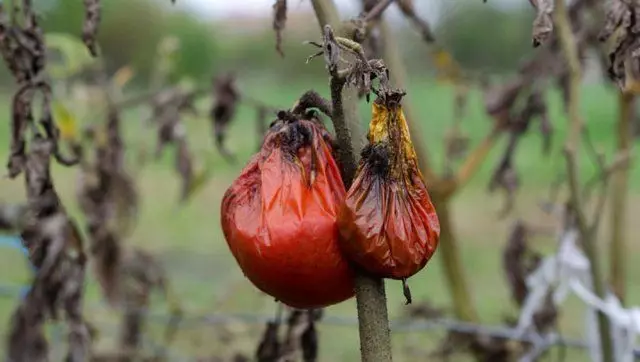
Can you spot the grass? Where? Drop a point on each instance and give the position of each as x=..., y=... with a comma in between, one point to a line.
x=188, y=239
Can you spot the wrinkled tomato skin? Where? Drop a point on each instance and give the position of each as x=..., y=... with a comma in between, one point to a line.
x=283, y=232
x=388, y=229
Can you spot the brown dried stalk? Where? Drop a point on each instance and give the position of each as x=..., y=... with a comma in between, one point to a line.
x=92, y=10
x=587, y=235
x=279, y=22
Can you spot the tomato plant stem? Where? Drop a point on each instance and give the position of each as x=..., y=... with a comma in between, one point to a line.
x=373, y=319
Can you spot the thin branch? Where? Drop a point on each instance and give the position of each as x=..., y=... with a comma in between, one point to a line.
x=377, y=10
x=474, y=160
x=567, y=41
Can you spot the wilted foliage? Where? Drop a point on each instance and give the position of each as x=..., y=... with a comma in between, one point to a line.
x=109, y=200
x=622, y=31
x=224, y=109
x=518, y=260
x=543, y=23
x=139, y=276
x=515, y=104
x=516, y=122
x=300, y=342
x=168, y=107
x=56, y=250
x=23, y=50
x=279, y=22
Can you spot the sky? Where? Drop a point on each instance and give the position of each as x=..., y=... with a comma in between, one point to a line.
x=227, y=8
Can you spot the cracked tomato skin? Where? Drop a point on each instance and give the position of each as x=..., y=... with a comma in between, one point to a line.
x=279, y=220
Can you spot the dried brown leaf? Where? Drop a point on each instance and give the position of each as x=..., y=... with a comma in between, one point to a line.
x=56, y=250
x=224, y=110
x=621, y=31
x=269, y=347
x=543, y=22
x=518, y=261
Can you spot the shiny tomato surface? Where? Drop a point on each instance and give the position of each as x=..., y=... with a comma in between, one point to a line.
x=279, y=219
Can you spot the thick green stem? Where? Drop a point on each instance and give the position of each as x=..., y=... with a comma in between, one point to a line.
x=448, y=250
x=373, y=319
x=588, y=237
x=619, y=250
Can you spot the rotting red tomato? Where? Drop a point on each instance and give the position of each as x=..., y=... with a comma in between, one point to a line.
x=279, y=217
x=388, y=224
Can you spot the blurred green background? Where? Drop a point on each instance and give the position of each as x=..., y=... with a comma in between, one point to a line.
x=484, y=38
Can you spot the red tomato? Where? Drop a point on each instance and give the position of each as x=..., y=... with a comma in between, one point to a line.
x=388, y=224
x=279, y=218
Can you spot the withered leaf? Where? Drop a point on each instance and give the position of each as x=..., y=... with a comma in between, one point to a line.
x=543, y=22
x=92, y=9
x=224, y=110
x=56, y=250
x=301, y=339
x=269, y=347
x=621, y=30
x=279, y=22
x=518, y=260
x=140, y=274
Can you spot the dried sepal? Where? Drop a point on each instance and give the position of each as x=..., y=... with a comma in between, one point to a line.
x=92, y=10
x=279, y=22
x=543, y=22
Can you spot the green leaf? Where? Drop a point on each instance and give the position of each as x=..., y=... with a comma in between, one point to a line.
x=72, y=55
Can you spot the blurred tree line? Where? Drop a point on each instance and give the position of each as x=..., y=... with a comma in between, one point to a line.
x=481, y=37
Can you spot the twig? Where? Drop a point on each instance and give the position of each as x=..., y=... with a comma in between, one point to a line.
x=472, y=163
x=568, y=44
x=377, y=10
x=375, y=337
